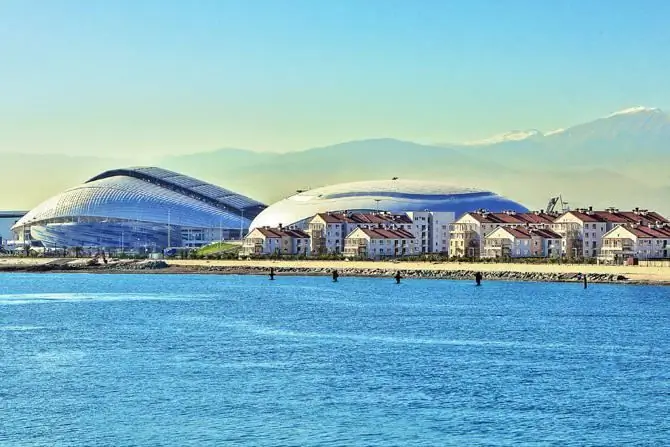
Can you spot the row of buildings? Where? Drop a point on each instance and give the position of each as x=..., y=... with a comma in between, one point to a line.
x=356, y=234
x=583, y=233
x=149, y=209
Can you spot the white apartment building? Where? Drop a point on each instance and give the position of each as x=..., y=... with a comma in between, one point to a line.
x=377, y=243
x=269, y=241
x=467, y=233
x=582, y=230
x=328, y=230
x=640, y=241
x=521, y=242
x=432, y=229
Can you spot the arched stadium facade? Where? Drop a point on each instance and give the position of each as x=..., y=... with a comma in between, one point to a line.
x=138, y=209
x=382, y=195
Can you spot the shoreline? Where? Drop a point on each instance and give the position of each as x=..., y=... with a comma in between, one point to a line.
x=596, y=274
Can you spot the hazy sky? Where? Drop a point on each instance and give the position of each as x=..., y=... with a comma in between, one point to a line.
x=161, y=77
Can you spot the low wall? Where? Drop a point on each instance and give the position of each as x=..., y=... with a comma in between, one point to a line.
x=655, y=263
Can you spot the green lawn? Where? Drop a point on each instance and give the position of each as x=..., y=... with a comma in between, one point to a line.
x=218, y=247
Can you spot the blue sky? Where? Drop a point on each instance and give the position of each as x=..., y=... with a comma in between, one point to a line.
x=165, y=77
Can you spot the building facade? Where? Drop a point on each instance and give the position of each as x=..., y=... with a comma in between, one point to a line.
x=432, y=230
x=521, y=242
x=328, y=231
x=275, y=241
x=639, y=241
x=467, y=233
x=379, y=243
x=582, y=230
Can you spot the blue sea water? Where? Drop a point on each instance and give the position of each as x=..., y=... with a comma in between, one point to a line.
x=176, y=360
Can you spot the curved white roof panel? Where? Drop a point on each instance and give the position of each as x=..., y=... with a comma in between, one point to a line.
x=387, y=195
x=117, y=204
x=203, y=191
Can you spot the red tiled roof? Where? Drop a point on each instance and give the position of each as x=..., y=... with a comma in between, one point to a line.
x=269, y=232
x=512, y=218
x=283, y=232
x=645, y=232
x=518, y=233
x=370, y=218
x=527, y=233
x=545, y=233
x=380, y=233
x=620, y=217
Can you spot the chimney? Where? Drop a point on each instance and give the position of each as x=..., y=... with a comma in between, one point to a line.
x=281, y=227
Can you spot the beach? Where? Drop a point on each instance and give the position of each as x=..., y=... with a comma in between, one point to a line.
x=446, y=270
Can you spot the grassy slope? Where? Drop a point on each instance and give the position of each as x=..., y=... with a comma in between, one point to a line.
x=218, y=247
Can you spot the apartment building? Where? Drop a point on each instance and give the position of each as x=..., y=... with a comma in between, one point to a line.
x=467, y=233
x=582, y=230
x=640, y=241
x=377, y=243
x=432, y=230
x=269, y=241
x=521, y=242
x=328, y=230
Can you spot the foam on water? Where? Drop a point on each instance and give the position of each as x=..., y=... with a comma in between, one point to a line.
x=42, y=298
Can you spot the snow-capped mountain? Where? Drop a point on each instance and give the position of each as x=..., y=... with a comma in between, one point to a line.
x=646, y=123
x=515, y=135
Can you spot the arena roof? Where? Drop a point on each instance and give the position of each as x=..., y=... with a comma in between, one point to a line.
x=383, y=195
x=206, y=192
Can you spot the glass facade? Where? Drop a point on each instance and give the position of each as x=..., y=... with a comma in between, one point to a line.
x=139, y=207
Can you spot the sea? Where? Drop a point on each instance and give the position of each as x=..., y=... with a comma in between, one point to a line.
x=200, y=360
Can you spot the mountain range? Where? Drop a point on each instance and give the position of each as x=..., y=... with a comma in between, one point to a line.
x=619, y=160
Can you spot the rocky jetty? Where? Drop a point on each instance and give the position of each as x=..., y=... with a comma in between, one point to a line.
x=161, y=266
x=424, y=274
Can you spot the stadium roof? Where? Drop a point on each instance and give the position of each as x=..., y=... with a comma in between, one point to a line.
x=206, y=192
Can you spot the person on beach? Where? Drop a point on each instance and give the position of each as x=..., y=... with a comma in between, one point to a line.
x=397, y=277
x=585, y=282
x=272, y=274
x=335, y=275
x=478, y=278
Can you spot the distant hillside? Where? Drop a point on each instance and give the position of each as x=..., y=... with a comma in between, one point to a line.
x=274, y=176
x=637, y=135
x=620, y=160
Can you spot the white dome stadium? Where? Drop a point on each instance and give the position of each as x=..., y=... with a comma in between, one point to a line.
x=383, y=195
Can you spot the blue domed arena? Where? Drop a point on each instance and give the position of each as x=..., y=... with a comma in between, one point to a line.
x=382, y=195
x=138, y=208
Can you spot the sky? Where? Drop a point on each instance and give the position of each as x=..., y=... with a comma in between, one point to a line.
x=127, y=77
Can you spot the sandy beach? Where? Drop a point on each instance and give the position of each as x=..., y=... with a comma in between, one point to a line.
x=632, y=274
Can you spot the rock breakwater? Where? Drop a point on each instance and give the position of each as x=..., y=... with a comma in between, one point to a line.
x=424, y=274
